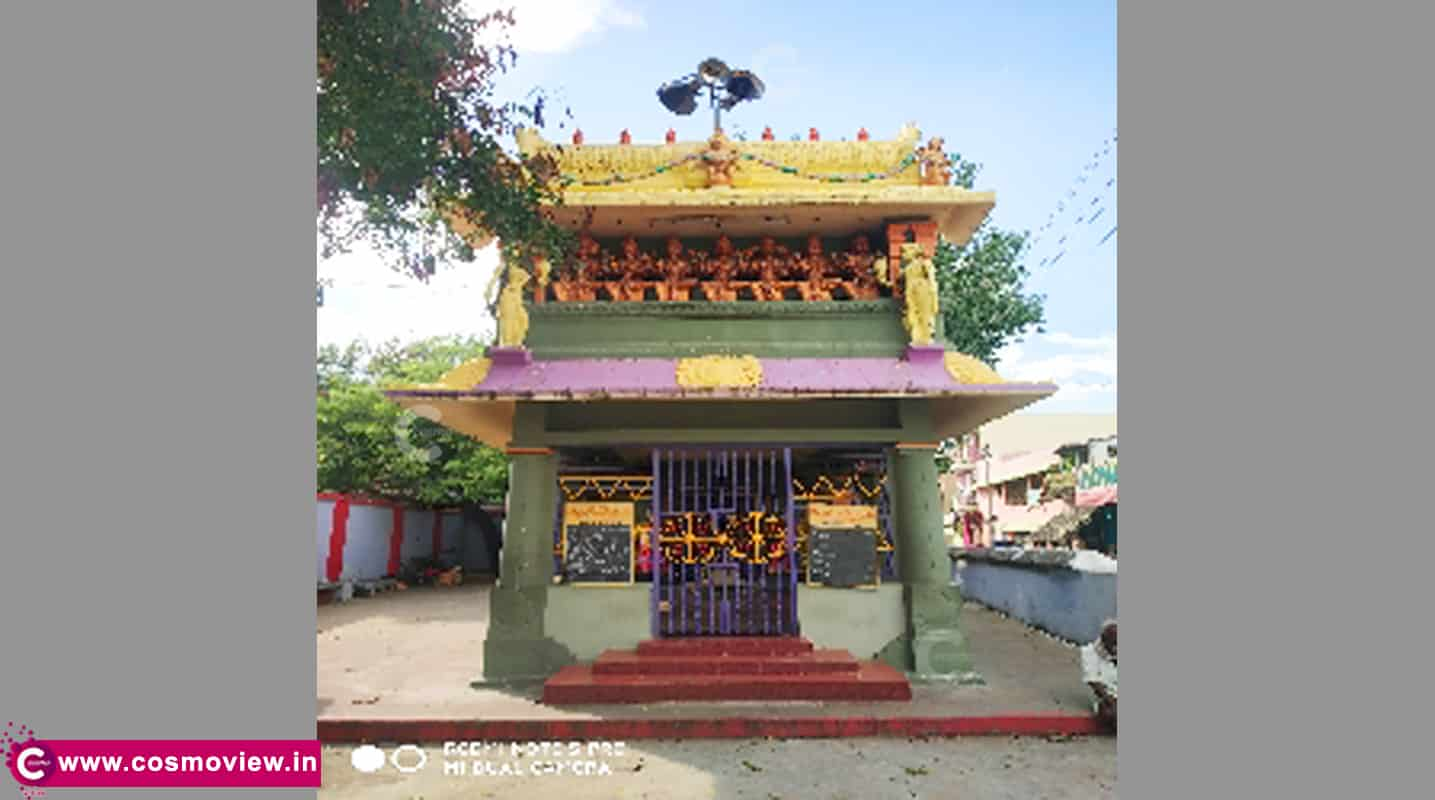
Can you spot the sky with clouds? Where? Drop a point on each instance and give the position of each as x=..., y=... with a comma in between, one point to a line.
x=1025, y=89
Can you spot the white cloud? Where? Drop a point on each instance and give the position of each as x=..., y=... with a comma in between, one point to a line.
x=555, y=26
x=1101, y=342
x=1063, y=359
x=369, y=301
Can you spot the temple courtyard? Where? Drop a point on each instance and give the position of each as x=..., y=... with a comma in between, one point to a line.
x=413, y=655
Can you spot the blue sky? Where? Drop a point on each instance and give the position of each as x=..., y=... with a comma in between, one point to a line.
x=1027, y=90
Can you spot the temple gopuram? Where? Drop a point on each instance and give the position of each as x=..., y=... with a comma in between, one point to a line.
x=722, y=414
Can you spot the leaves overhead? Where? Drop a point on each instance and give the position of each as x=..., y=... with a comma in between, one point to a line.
x=368, y=444
x=407, y=123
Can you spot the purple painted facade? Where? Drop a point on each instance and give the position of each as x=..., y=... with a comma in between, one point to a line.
x=924, y=374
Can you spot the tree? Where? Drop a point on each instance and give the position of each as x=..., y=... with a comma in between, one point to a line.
x=981, y=286
x=408, y=126
x=369, y=445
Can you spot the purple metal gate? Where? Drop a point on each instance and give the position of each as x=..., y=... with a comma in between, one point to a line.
x=723, y=543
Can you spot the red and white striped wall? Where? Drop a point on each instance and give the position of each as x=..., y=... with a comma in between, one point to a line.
x=363, y=538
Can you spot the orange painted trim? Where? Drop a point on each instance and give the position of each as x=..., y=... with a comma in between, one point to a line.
x=918, y=445
x=529, y=451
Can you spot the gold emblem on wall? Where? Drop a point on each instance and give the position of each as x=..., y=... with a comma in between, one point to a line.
x=710, y=372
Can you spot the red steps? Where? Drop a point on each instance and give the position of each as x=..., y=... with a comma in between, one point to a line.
x=731, y=668
x=620, y=662
x=726, y=645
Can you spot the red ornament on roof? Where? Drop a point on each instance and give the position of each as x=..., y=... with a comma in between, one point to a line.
x=812, y=135
x=671, y=136
x=862, y=135
x=625, y=137
x=578, y=136
x=767, y=134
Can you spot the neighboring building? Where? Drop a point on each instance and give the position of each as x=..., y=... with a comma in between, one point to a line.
x=738, y=355
x=1000, y=472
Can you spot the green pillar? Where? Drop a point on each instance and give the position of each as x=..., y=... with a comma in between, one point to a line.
x=516, y=647
x=932, y=602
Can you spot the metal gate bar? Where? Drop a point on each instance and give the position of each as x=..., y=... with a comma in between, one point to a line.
x=712, y=545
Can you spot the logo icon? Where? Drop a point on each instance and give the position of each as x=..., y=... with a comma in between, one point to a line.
x=31, y=762
x=367, y=758
x=423, y=758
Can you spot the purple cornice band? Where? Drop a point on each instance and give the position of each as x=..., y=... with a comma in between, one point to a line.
x=781, y=377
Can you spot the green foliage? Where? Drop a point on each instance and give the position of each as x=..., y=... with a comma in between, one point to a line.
x=407, y=120
x=369, y=445
x=981, y=286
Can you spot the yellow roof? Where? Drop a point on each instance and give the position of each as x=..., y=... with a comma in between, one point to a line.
x=777, y=188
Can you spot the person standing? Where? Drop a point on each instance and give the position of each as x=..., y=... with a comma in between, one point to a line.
x=1098, y=671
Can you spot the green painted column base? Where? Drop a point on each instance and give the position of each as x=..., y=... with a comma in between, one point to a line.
x=939, y=649
x=516, y=648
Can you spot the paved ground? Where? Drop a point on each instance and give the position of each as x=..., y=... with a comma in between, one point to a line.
x=838, y=769
x=413, y=654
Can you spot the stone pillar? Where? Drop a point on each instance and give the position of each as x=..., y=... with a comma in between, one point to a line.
x=932, y=602
x=516, y=647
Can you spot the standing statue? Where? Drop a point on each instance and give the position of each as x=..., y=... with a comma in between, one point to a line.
x=512, y=316
x=920, y=276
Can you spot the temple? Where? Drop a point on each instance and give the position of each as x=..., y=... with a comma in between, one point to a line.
x=722, y=414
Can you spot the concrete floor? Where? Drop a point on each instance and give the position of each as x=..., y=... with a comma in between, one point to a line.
x=413, y=655
x=837, y=769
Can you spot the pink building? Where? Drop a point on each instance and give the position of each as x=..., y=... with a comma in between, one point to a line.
x=998, y=472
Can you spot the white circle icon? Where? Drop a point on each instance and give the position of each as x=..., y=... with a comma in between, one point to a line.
x=423, y=758
x=367, y=758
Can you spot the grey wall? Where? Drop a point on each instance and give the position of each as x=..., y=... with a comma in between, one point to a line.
x=451, y=539
x=1063, y=602
x=366, y=543
x=418, y=536
x=862, y=621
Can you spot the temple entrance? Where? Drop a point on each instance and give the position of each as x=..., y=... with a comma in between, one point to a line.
x=722, y=548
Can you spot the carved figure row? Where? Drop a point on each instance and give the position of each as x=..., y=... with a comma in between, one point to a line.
x=767, y=271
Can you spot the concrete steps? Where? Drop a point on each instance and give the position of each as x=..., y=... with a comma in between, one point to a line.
x=725, y=668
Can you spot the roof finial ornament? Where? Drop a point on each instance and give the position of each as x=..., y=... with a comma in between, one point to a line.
x=767, y=133
x=625, y=137
x=577, y=137
x=813, y=135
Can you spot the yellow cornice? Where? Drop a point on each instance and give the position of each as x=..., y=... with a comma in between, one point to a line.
x=762, y=165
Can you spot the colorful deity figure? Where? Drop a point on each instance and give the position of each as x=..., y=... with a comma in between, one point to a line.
x=720, y=159
x=860, y=281
x=935, y=166
x=920, y=313
x=769, y=261
x=512, y=316
x=816, y=285
x=677, y=285
x=633, y=266
x=723, y=263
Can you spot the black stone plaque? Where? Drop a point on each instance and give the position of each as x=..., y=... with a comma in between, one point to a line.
x=842, y=557
x=599, y=553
